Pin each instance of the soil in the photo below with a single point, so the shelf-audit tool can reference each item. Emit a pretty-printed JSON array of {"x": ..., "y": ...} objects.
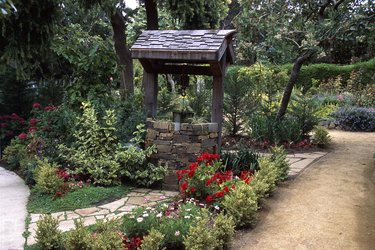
[{"x": 331, "y": 205}]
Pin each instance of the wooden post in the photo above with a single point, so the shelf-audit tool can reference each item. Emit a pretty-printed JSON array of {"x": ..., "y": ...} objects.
[
  {"x": 217, "y": 105},
  {"x": 150, "y": 86}
]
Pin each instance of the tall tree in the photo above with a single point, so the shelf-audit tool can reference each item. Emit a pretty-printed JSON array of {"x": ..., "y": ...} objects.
[{"x": 282, "y": 31}]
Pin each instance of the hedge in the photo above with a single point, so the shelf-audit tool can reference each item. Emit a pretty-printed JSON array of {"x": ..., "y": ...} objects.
[{"x": 324, "y": 71}]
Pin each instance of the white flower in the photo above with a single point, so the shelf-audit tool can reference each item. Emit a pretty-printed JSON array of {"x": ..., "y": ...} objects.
[
  {"x": 139, "y": 219},
  {"x": 217, "y": 207},
  {"x": 131, "y": 217},
  {"x": 145, "y": 215},
  {"x": 177, "y": 233},
  {"x": 148, "y": 208},
  {"x": 187, "y": 217},
  {"x": 159, "y": 215},
  {"x": 188, "y": 210}
]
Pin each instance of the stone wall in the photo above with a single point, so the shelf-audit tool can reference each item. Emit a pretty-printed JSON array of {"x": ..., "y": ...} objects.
[{"x": 178, "y": 148}]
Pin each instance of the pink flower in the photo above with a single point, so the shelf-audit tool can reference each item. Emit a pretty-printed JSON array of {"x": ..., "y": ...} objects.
[
  {"x": 32, "y": 129},
  {"x": 33, "y": 122},
  {"x": 22, "y": 136},
  {"x": 49, "y": 107},
  {"x": 37, "y": 105},
  {"x": 3, "y": 125}
]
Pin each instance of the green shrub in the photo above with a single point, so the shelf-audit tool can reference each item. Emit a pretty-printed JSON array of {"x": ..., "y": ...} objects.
[
  {"x": 242, "y": 205},
  {"x": 320, "y": 136},
  {"x": 46, "y": 177},
  {"x": 278, "y": 158},
  {"x": 244, "y": 159},
  {"x": 153, "y": 241},
  {"x": 107, "y": 235},
  {"x": 48, "y": 236},
  {"x": 201, "y": 236},
  {"x": 224, "y": 229},
  {"x": 264, "y": 181},
  {"x": 356, "y": 118},
  {"x": 95, "y": 147},
  {"x": 14, "y": 153},
  {"x": 210, "y": 232},
  {"x": 79, "y": 238}
]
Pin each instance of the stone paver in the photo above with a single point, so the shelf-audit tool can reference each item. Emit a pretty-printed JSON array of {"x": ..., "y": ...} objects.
[
  {"x": 13, "y": 198},
  {"x": 113, "y": 206},
  {"x": 146, "y": 198},
  {"x": 113, "y": 210}
]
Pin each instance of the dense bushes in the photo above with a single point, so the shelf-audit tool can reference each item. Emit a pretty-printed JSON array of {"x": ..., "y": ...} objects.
[
  {"x": 323, "y": 72},
  {"x": 356, "y": 118}
]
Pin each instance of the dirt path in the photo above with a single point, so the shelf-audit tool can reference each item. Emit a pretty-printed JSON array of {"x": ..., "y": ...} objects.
[{"x": 329, "y": 206}]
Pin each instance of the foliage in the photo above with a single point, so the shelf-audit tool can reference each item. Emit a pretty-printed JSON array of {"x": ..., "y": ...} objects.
[
  {"x": 79, "y": 238},
  {"x": 47, "y": 180},
  {"x": 48, "y": 236},
  {"x": 91, "y": 61},
  {"x": 210, "y": 232},
  {"x": 241, "y": 98},
  {"x": 242, "y": 205},
  {"x": 94, "y": 147},
  {"x": 129, "y": 115},
  {"x": 172, "y": 220},
  {"x": 245, "y": 159},
  {"x": 86, "y": 196},
  {"x": 320, "y": 136},
  {"x": 14, "y": 153},
  {"x": 356, "y": 118},
  {"x": 278, "y": 159},
  {"x": 264, "y": 181},
  {"x": 153, "y": 241},
  {"x": 198, "y": 14},
  {"x": 133, "y": 161},
  {"x": 322, "y": 72}
]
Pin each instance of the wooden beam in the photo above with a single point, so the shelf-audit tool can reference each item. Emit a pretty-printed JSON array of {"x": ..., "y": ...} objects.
[
  {"x": 150, "y": 86},
  {"x": 216, "y": 68},
  {"x": 183, "y": 69},
  {"x": 147, "y": 65}
]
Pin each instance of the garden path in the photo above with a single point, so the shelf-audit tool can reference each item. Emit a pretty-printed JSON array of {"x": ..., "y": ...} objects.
[
  {"x": 13, "y": 198},
  {"x": 331, "y": 205}
]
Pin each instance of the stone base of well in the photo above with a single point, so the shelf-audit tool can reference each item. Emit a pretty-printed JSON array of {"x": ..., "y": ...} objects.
[{"x": 179, "y": 144}]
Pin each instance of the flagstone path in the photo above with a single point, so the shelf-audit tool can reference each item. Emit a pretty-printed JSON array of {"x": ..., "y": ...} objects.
[{"x": 116, "y": 209}]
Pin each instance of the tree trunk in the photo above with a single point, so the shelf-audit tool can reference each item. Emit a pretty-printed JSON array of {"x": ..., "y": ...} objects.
[
  {"x": 152, "y": 14},
  {"x": 123, "y": 53},
  {"x": 291, "y": 82}
]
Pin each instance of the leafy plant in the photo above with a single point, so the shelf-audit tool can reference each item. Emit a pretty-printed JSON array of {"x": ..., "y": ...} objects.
[
  {"x": 242, "y": 205},
  {"x": 46, "y": 177},
  {"x": 48, "y": 236},
  {"x": 320, "y": 136},
  {"x": 93, "y": 153},
  {"x": 153, "y": 241},
  {"x": 79, "y": 238},
  {"x": 264, "y": 181},
  {"x": 278, "y": 158},
  {"x": 356, "y": 118},
  {"x": 245, "y": 159}
]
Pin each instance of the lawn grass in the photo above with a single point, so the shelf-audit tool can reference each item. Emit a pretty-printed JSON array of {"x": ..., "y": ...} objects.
[{"x": 87, "y": 196}]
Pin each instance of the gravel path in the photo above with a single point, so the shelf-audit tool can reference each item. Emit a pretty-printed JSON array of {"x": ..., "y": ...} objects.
[{"x": 331, "y": 205}]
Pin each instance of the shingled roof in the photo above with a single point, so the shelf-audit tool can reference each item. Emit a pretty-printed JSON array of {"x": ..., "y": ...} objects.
[{"x": 187, "y": 45}]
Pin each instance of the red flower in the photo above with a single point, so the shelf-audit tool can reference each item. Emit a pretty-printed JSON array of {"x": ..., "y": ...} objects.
[
  {"x": 219, "y": 194},
  {"x": 193, "y": 190},
  {"x": 184, "y": 185},
  {"x": 37, "y": 106},
  {"x": 193, "y": 166},
  {"x": 32, "y": 129},
  {"x": 209, "y": 198},
  {"x": 49, "y": 107},
  {"x": 191, "y": 174},
  {"x": 233, "y": 187},
  {"x": 226, "y": 189},
  {"x": 22, "y": 136},
  {"x": 33, "y": 122}
]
